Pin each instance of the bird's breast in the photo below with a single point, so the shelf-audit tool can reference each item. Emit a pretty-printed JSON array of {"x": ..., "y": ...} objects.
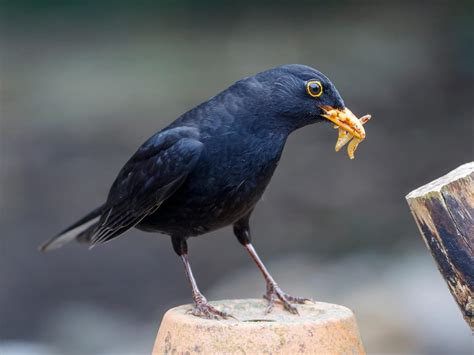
[{"x": 228, "y": 180}]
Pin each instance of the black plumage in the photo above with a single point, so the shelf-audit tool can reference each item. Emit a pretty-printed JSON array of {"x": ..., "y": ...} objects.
[{"x": 209, "y": 168}]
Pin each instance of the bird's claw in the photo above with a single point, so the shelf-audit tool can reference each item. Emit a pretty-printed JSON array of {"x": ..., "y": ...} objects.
[
  {"x": 203, "y": 309},
  {"x": 274, "y": 292}
]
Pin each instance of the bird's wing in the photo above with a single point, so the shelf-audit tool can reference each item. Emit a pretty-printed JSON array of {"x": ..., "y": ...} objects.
[{"x": 152, "y": 175}]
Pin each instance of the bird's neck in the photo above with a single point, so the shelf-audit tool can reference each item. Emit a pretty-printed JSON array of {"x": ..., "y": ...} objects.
[{"x": 272, "y": 128}]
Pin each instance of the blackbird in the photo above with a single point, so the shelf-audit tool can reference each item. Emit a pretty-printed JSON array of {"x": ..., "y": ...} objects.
[{"x": 209, "y": 168}]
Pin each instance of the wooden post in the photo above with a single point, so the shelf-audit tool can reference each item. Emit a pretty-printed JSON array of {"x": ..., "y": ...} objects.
[
  {"x": 444, "y": 213},
  {"x": 321, "y": 328}
]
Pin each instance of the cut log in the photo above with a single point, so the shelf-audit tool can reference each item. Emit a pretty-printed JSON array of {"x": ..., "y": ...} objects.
[
  {"x": 321, "y": 328},
  {"x": 444, "y": 213}
]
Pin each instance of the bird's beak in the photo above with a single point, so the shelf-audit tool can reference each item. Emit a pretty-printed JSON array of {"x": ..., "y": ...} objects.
[
  {"x": 350, "y": 127},
  {"x": 345, "y": 119}
]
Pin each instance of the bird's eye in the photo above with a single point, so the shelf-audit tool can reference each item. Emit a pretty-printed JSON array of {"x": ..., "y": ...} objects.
[{"x": 314, "y": 88}]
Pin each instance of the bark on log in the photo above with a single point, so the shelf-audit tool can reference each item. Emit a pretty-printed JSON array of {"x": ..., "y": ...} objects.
[
  {"x": 321, "y": 328},
  {"x": 444, "y": 213}
]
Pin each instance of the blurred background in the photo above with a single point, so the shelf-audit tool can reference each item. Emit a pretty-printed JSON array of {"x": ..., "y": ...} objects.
[{"x": 84, "y": 83}]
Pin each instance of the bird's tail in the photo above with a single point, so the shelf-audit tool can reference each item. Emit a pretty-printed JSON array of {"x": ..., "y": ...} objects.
[{"x": 79, "y": 231}]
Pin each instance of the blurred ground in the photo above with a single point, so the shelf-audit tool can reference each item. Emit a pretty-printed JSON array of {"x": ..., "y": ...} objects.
[{"x": 83, "y": 86}]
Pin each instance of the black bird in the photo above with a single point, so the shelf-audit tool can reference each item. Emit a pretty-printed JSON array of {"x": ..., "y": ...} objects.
[{"x": 209, "y": 168}]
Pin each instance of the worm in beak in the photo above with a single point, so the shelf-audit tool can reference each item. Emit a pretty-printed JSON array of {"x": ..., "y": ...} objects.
[{"x": 350, "y": 128}]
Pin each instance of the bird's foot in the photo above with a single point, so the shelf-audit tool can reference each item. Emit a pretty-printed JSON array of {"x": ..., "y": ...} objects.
[
  {"x": 274, "y": 292},
  {"x": 203, "y": 309}
]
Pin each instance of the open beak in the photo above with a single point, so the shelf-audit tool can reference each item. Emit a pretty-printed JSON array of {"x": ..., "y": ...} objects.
[
  {"x": 350, "y": 127},
  {"x": 344, "y": 119}
]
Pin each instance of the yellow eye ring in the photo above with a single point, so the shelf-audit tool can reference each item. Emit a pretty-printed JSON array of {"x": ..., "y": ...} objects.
[{"x": 314, "y": 88}]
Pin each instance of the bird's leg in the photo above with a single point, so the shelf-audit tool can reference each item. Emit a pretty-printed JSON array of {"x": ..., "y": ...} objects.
[
  {"x": 274, "y": 292},
  {"x": 201, "y": 307}
]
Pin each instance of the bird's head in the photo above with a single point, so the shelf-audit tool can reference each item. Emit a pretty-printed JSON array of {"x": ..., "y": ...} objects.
[{"x": 298, "y": 95}]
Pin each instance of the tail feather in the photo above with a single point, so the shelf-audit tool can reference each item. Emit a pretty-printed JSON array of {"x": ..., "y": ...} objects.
[{"x": 78, "y": 231}]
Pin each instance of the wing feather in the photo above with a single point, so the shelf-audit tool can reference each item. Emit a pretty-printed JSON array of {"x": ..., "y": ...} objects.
[{"x": 151, "y": 176}]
